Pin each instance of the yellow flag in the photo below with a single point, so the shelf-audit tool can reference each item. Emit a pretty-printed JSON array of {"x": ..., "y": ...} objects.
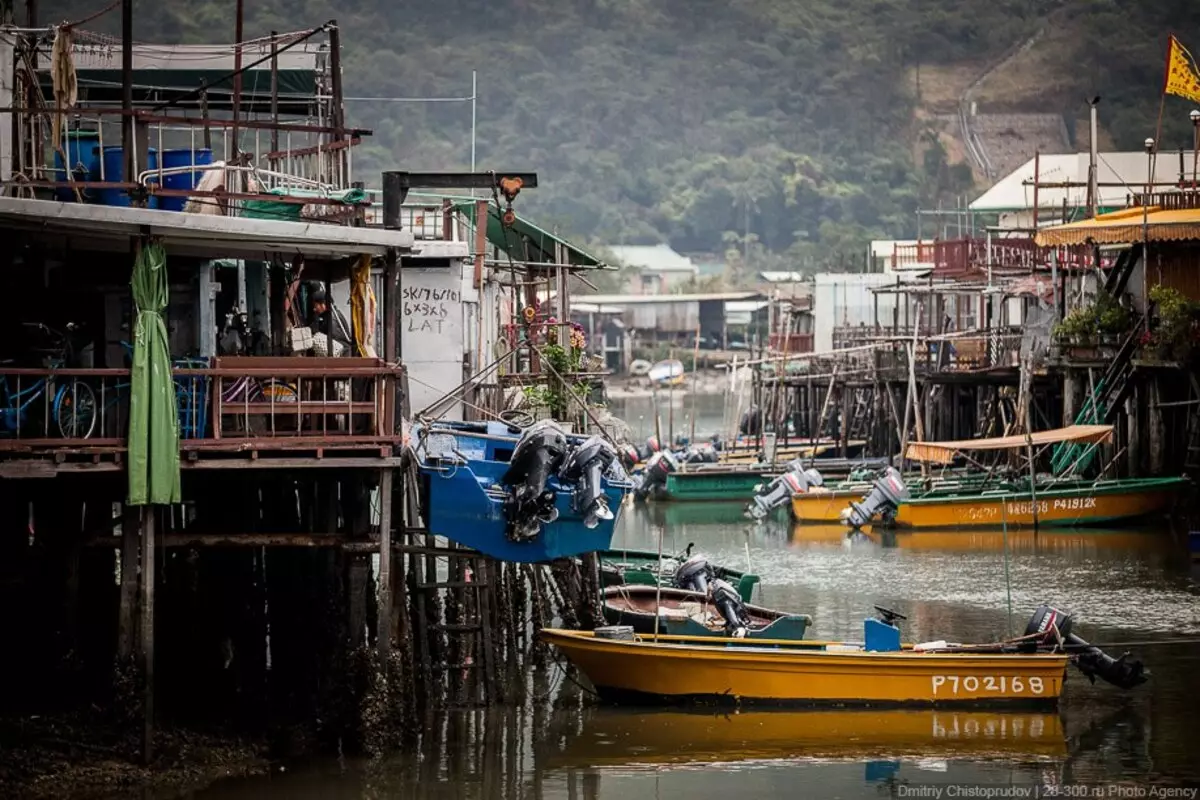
[{"x": 1182, "y": 77}]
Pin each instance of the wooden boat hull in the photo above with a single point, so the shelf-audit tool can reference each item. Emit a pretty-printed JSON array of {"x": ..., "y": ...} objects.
[
  {"x": 1096, "y": 504},
  {"x": 682, "y": 670},
  {"x": 824, "y": 506},
  {"x": 640, "y": 568},
  {"x": 609, "y": 737},
  {"x": 683, "y": 612},
  {"x": 714, "y": 484}
]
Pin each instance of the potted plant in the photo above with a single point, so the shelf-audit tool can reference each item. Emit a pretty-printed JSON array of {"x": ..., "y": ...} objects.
[{"x": 1176, "y": 332}]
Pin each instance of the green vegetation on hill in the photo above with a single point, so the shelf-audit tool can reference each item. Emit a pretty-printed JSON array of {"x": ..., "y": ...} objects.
[{"x": 779, "y": 127}]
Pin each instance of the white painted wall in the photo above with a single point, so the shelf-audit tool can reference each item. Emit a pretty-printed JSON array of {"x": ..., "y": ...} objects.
[
  {"x": 843, "y": 298},
  {"x": 433, "y": 308}
]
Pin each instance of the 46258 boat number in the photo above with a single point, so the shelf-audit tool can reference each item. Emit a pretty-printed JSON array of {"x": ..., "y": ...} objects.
[{"x": 970, "y": 684}]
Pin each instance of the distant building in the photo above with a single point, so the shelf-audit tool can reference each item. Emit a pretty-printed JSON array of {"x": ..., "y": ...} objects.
[
  {"x": 659, "y": 269},
  {"x": 901, "y": 256},
  {"x": 1062, "y": 190}
]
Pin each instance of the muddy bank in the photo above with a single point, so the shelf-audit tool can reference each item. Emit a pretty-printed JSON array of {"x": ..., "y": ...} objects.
[
  {"x": 74, "y": 757},
  {"x": 703, "y": 382}
]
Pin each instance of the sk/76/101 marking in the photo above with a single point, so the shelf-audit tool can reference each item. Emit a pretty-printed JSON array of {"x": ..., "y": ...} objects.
[{"x": 971, "y": 684}]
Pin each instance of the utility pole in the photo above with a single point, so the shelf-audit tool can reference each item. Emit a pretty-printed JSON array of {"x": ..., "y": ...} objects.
[{"x": 1093, "y": 191}]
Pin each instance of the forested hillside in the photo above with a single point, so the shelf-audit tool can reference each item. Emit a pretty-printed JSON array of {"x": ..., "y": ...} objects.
[{"x": 693, "y": 121}]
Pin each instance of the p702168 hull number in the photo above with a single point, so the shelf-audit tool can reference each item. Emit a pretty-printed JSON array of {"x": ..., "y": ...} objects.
[{"x": 950, "y": 685}]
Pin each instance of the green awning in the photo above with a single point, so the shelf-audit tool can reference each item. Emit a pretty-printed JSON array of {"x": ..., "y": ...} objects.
[
  {"x": 524, "y": 241},
  {"x": 153, "y": 413}
]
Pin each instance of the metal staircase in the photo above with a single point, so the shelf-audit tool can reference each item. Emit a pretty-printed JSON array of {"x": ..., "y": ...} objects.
[{"x": 1101, "y": 405}]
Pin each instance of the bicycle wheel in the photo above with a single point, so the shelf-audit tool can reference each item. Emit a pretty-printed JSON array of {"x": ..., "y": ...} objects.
[{"x": 75, "y": 410}]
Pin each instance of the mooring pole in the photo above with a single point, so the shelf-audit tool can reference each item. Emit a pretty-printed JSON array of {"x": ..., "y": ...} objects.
[
  {"x": 383, "y": 618},
  {"x": 147, "y": 633}
]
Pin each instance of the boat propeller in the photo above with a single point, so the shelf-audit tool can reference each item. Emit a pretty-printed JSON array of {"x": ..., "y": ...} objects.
[
  {"x": 885, "y": 496},
  {"x": 1049, "y": 627},
  {"x": 795, "y": 481},
  {"x": 726, "y": 598}
]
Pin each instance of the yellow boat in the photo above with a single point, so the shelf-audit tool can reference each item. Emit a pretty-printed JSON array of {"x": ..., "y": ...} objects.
[
  {"x": 616, "y": 737},
  {"x": 823, "y": 505},
  {"x": 1055, "y": 502},
  {"x": 1092, "y": 504},
  {"x": 684, "y": 668}
]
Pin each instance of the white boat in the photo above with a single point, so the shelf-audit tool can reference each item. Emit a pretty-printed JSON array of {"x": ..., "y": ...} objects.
[{"x": 668, "y": 371}]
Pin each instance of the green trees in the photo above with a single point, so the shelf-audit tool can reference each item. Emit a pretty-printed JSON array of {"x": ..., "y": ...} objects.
[{"x": 697, "y": 122}]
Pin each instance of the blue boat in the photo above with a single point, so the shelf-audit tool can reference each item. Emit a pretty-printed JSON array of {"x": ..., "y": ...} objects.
[
  {"x": 1194, "y": 544},
  {"x": 527, "y": 495}
]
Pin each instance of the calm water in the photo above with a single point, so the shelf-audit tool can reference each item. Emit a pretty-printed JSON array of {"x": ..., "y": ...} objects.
[{"x": 1135, "y": 587}]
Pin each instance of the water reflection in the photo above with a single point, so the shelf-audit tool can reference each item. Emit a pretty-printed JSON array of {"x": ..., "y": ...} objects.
[
  {"x": 631, "y": 736},
  {"x": 1130, "y": 589}
]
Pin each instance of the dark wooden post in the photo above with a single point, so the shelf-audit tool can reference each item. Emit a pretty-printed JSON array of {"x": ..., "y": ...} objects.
[
  {"x": 383, "y": 619},
  {"x": 147, "y": 632}
]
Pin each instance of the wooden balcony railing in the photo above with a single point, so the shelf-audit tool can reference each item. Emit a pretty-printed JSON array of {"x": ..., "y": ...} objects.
[{"x": 237, "y": 404}]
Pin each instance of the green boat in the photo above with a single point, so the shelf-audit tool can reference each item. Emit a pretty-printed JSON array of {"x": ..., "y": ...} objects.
[
  {"x": 679, "y": 612},
  {"x": 641, "y": 568},
  {"x": 716, "y": 484}
]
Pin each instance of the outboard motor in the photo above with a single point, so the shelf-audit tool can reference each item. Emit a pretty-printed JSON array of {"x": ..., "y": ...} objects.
[
  {"x": 1091, "y": 661},
  {"x": 726, "y": 598},
  {"x": 697, "y": 454},
  {"x": 694, "y": 574},
  {"x": 768, "y": 497},
  {"x": 751, "y": 422},
  {"x": 885, "y": 496},
  {"x": 629, "y": 456},
  {"x": 539, "y": 454},
  {"x": 654, "y": 475},
  {"x": 584, "y": 468},
  {"x": 651, "y": 447}
]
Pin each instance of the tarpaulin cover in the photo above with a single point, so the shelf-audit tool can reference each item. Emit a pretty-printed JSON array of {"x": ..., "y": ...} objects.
[
  {"x": 362, "y": 307},
  {"x": 153, "y": 412},
  {"x": 944, "y": 452},
  {"x": 1152, "y": 224}
]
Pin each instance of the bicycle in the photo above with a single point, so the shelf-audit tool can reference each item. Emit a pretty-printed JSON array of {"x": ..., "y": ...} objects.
[
  {"x": 74, "y": 404},
  {"x": 191, "y": 394}
]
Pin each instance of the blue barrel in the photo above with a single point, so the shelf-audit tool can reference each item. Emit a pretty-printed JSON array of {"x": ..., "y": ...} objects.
[
  {"x": 82, "y": 155},
  {"x": 114, "y": 171},
  {"x": 182, "y": 180}
]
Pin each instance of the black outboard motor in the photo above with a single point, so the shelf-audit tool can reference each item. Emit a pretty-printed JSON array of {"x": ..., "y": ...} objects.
[
  {"x": 770, "y": 496},
  {"x": 538, "y": 455},
  {"x": 885, "y": 496},
  {"x": 1091, "y": 661},
  {"x": 697, "y": 454},
  {"x": 584, "y": 467},
  {"x": 654, "y": 475},
  {"x": 726, "y": 598},
  {"x": 694, "y": 574},
  {"x": 751, "y": 422}
]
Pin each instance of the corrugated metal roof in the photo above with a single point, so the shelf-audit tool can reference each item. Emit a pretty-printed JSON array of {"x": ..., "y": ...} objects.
[
  {"x": 783, "y": 277},
  {"x": 664, "y": 299},
  {"x": 1128, "y": 168}
]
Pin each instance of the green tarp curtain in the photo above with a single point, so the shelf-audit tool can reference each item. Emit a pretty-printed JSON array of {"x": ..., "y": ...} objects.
[{"x": 153, "y": 413}]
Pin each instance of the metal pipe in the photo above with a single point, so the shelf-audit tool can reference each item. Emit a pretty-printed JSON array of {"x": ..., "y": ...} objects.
[{"x": 127, "y": 86}]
